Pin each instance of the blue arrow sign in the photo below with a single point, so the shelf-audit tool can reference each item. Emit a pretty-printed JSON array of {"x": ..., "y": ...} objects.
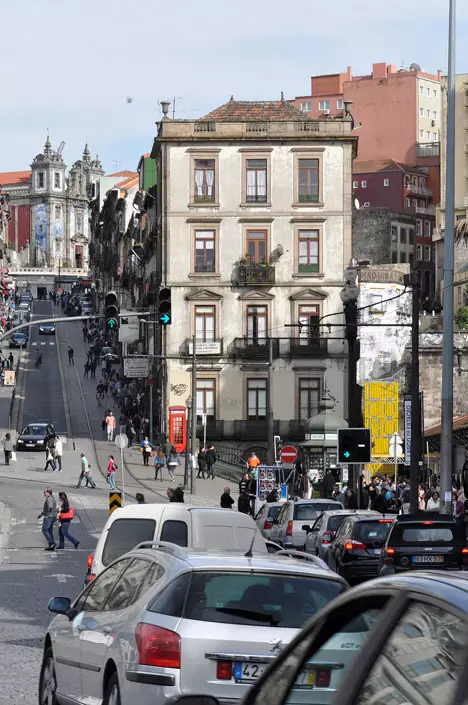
[
  {"x": 346, "y": 454},
  {"x": 165, "y": 319},
  {"x": 112, "y": 323}
]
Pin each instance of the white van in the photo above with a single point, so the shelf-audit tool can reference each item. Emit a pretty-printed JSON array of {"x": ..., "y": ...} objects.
[{"x": 202, "y": 528}]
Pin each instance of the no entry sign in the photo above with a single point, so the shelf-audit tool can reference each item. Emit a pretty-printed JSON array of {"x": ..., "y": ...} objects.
[{"x": 288, "y": 454}]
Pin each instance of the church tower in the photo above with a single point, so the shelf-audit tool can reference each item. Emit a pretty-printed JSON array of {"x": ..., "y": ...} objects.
[{"x": 82, "y": 182}]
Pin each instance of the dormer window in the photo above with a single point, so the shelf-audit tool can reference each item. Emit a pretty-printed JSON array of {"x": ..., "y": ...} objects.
[{"x": 40, "y": 179}]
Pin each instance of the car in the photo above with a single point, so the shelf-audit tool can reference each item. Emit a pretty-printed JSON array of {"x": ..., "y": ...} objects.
[
  {"x": 355, "y": 551},
  {"x": 18, "y": 340},
  {"x": 266, "y": 516},
  {"x": 24, "y": 307},
  {"x": 321, "y": 534},
  {"x": 47, "y": 329},
  {"x": 288, "y": 531},
  {"x": 33, "y": 437},
  {"x": 399, "y": 639},
  {"x": 204, "y": 528},
  {"x": 419, "y": 541},
  {"x": 108, "y": 355},
  {"x": 163, "y": 620}
]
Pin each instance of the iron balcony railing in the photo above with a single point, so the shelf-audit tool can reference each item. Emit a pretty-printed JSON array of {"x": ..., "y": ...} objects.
[{"x": 253, "y": 274}]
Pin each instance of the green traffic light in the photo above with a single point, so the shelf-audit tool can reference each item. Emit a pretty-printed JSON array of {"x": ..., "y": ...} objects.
[
  {"x": 346, "y": 454},
  {"x": 112, "y": 323}
]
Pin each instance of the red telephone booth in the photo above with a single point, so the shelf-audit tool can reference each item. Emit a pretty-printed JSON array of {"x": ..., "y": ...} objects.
[{"x": 178, "y": 427}]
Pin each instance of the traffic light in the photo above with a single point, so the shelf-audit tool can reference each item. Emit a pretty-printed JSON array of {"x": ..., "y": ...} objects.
[
  {"x": 278, "y": 446},
  {"x": 354, "y": 445},
  {"x": 112, "y": 311},
  {"x": 165, "y": 306}
]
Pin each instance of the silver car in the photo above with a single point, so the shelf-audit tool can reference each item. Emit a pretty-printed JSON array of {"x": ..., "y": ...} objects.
[
  {"x": 321, "y": 533},
  {"x": 288, "y": 528},
  {"x": 266, "y": 516},
  {"x": 162, "y": 621}
]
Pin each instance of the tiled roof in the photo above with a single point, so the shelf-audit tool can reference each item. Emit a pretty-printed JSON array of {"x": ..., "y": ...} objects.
[
  {"x": 123, "y": 173},
  {"x": 262, "y": 111},
  {"x": 370, "y": 166},
  {"x": 129, "y": 182},
  {"x": 10, "y": 178}
]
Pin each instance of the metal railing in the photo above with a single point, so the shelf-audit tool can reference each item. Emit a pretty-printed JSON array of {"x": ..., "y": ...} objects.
[{"x": 253, "y": 274}]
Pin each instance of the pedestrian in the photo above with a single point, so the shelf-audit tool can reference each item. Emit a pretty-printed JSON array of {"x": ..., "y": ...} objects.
[
  {"x": 66, "y": 515},
  {"x": 58, "y": 452},
  {"x": 110, "y": 426},
  {"x": 92, "y": 367},
  {"x": 172, "y": 463},
  {"x": 350, "y": 499},
  {"x": 252, "y": 492},
  {"x": 49, "y": 512},
  {"x": 89, "y": 478},
  {"x": 146, "y": 449},
  {"x": 71, "y": 355},
  {"x": 111, "y": 468},
  {"x": 50, "y": 460},
  {"x": 176, "y": 495},
  {"x": 306, "y": 485},
  {"x": 226, "y": 500},
  {"x": 210, "y": 459},
  {"x": 433, "y": 503},
  {"x": 130, "y": 431},
  {"x": 122, "y": 423},
  {"x": 140, "y": 498},
  {"x": 85, "y": 333},
  {"x": 86, "y": 370},
  {"x": 7, "y": 448},
  {"x": 243, "y": 504},
  {"x": 458, "y": 508},
  {"x": 328, "y": 483},
  {"x": 167, "y": 449},
  {"x": 201, "y": 463},
  {"x": 159, "y": 460},
  {"x": 11, "y": 360},
  {"x": 83, "y": 468},
  {"x": 253, "y": 462}
]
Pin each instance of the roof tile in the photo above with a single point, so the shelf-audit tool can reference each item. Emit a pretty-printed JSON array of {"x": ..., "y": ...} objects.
[
  {"x": 255, "y": 110},
  {"x": 10, "y": 178}
]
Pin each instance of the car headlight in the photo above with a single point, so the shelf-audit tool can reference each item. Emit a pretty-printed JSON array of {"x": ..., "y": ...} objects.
[
  {"x": 20, "y": 441},
  {"x": 39, "y": 442}
]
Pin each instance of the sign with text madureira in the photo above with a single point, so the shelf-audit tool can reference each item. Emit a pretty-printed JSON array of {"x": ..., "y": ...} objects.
[{"x": 381, "y": 414}]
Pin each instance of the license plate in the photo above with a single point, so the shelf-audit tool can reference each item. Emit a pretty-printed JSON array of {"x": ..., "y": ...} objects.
[
  {"x": 377, "y": 551},
  {"x": 305, "y": 679},
  {"x": 248, "y": 672},
  {"x": 30, "y": 445},
  {"x": 428, "y": 559}
]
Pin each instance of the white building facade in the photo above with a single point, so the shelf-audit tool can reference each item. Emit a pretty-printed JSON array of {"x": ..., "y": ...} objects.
[{"x": 257, "y": 235}]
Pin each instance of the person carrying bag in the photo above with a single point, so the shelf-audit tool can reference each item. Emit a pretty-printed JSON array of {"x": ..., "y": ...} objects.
[{"x": 66, "y": 515}]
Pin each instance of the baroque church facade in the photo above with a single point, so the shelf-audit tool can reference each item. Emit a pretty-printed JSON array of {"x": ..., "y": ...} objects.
[{"x": 49, "y": 223}]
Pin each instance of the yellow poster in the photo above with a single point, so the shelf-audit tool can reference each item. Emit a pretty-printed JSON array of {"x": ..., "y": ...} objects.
[{"x": 381, "y": 414}]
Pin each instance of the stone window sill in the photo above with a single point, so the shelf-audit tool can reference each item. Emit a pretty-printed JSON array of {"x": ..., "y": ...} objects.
[
  {"x": 204, "y": 275},
  {"x": 307, "y": 275},
  {"x": 310, "y": 204}
]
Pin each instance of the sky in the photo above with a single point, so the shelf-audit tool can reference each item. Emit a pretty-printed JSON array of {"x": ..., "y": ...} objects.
[{"x": 70, "y": 67}]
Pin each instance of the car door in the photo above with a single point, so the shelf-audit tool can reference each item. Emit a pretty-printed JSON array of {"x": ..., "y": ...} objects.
[
  {"x": 276, "y": 531},
  {"x": 333, "y": 555},
  {"x": 312, "y": 536},
  {"x": 66, "y": 646},
  {"x": 105, "y": 617}
]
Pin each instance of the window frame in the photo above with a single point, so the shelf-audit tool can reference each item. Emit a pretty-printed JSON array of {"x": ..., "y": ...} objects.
[
  {"x": 40, "y": 176},
  {"x": 265, "y": 239},
  {"x": 306, "y": 103},
  {"x": 324, "y": 104},
  {"x": 202, "y": 226},
  {"x": 419, "y": 256},
  {"x": 257, "y": 416},
  {"x": 419, "y": 227},
  {"x": 309, "y": 228},
  {"x": 251, "y": 154},
  {"x": 355, "y": 184},
  {"x": 427, "y": 253},
  {"x": 248, "y": 315},
  {"x": 213, "y": 315},
  {"x": 339, "y": 104},
  {"x": 300, "y": 389},
  {"x": 59, "y": 180},
  {"x": 255, "y": 199},
  {"x": 386, "y": 182},
  {"x": 364, "y": 184},
  {"x": 204, "y": 155},
  {"x": 299, "y": 156},
  {"x": 198, "y": 230},
  {"x": 202, "y": 409}
]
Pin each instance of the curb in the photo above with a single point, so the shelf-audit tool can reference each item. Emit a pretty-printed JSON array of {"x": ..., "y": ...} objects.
[
  {"x": 5, "y": 529},
  {"x": 18, "y": 397}
]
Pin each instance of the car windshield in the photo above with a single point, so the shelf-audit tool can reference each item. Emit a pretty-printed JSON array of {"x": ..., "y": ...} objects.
[
  {"x": 334, "y": 522},
  {"x": 427, "y": 534},
  {"x": 34, "y": 431},
  {"x": 311, "y": 510},
  {"x": 371, "y": 531},
  {"x": 267, "y": 599}
]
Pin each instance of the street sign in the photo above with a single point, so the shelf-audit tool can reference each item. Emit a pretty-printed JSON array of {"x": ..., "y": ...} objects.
[
  {"x": 165, "y": 319},
  {"x": 354, "y": 445},
  {"x": 121, "y": 440},
  {"x": 115, "y": 500},
  {"x": 136, "y": 367},
  {"x": 288, "y": 454},
  {"x": 129, "y": 330}
]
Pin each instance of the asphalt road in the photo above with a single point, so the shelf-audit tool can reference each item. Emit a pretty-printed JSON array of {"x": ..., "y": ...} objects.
[{"x": 43, "y": 390}]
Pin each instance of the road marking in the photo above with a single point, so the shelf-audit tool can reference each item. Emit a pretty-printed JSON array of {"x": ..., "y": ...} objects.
[
  {"x": 42, "y": 343},
  {"x": 33, "y": 343},
  {"x": 60, "y": 577}
]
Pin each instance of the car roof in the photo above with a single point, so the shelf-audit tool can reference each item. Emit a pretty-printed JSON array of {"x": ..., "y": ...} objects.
[
  {"x": 452, "y": 586},
  {"x": 36, "y": 423},
  {"x": 434, "y": 518},
  {"x": 154, "y": 509},
  {"x": 351, "y": 512},
  {"x": 236, "y": 560},
  {"x": 316, "y": 501},
  {"x": 374, "y": 517}
]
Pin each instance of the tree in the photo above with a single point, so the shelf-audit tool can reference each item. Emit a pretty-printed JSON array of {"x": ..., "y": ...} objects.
[{"x": 461, "y": 318}]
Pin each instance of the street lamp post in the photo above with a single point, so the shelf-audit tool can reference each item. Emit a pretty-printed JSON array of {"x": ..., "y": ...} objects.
[
  {"x": 349, "y": 296},
  {"x": 188, "y": 447}
]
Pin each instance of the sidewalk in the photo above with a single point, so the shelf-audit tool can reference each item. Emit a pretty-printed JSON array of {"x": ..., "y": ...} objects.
[{"x": 83, "y": 391}]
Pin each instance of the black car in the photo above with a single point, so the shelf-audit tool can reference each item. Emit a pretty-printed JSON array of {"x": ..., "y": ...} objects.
[
  {"x": 47, "y": 329},
  {"x": 18, "y": 340},
  {"x": 33, "y": 437},
  {"x": 420, "y": 541},
  {"x": 355, "y": 551}
]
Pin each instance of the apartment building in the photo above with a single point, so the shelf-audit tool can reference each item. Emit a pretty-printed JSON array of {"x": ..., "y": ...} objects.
[{"x": 255, "y": 234}]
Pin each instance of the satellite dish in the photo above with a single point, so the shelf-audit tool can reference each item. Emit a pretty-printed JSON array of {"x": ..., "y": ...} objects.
[{"x": 357, "y": 205}]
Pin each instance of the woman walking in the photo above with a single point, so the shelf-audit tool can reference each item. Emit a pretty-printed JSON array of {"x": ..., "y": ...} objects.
[
  {"x": 111, "y": 468},
  {"x": 159, "y": 460},
  {"x": 66, "y": 515},
  {"x": 172, "y": 463},
  {"x": 146, "y": 449},
  {"x": 7, "y": 448}
]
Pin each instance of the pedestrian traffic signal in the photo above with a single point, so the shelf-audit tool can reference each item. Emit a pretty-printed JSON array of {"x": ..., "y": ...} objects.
[
  {"x": 112, "y": 311},
  {"x": 165, "y": 306},
  {"x": 354, "y": 445}
]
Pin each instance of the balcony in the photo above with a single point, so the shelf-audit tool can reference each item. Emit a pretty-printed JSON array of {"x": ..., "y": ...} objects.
[
  {"x": 419, "y": 190},
  {"x": 254, "y": 274},
  {"x": 429, "y": 149},
  {"x": 254, "y": 348},
  {"x": 204, "y": 347},
  {"x": 308, "y": 347}
]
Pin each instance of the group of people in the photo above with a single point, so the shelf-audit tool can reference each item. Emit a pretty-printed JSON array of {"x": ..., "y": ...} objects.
[
  {"x": 206, "y": 460},
  {"x": 51, "y": 514}
]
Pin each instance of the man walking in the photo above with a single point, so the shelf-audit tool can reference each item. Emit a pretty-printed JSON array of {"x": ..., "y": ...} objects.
[
  {"x": 58, "y": 452},
  {"x": 210, "y": 459},
  {"x": 49, "y": 512},
  {"x": 71, "y": 355},
  {"x": 110, "y": 426},
  {"x": 84, "y": 469}
]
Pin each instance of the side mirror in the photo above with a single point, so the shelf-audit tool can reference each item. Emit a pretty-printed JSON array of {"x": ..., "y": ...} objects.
[
  {"x": 306, "y": 528},
  {"x": 59, "y": 605},
  {"x": 194, "y": 700}
]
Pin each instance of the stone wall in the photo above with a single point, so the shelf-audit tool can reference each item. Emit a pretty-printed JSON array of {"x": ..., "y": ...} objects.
[
  {"x": 372, "y": 235},
  {"x": 430, "y": 376}
]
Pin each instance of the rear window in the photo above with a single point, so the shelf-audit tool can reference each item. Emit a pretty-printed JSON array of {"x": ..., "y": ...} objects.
[
  {"x": 125, "y": 534},
  {"x": 273, "y": 512},
  {"x": 310, "y": 511},
  {"x": 427, "y": 534},
  {"x": 334, "y": 523},
  {"x": 175, "y": 532},
  {"x": 370, "y": 531},
  {"x": 263, "y": 599}
]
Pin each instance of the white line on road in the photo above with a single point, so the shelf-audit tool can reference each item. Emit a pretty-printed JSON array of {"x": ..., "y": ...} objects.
[{"x": 60, "y": 577}]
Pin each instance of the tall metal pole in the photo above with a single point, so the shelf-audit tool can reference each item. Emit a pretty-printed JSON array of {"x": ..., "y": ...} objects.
[
  {"x": 415, "y": 278},
  {"x": 447, "y": 351},
  {"x": 193, "y": 449},
  {"x": 270, "y": 424}
]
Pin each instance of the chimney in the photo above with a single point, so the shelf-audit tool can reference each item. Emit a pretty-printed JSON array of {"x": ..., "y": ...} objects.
[{"x": 349, "y": 73}]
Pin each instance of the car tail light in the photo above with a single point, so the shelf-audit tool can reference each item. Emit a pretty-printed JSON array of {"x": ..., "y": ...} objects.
[
  {"x": 90, "y": 560},
  {"x": 354, "y": 545},
  {"x": 267, "y": 524},
  {"x": 327, "y": 537},
  {"x": 389, "y": 553},
  {"x": 385, "y": 521},
  {"x": 157, "y": 646},
  {"x": 224, "y": 670},
  {"x": 92, "y": 576},
  {"x": 289, "y": 528},
  {"x": 322, "y": 678},
  {"x": 427, "y": 523}
]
